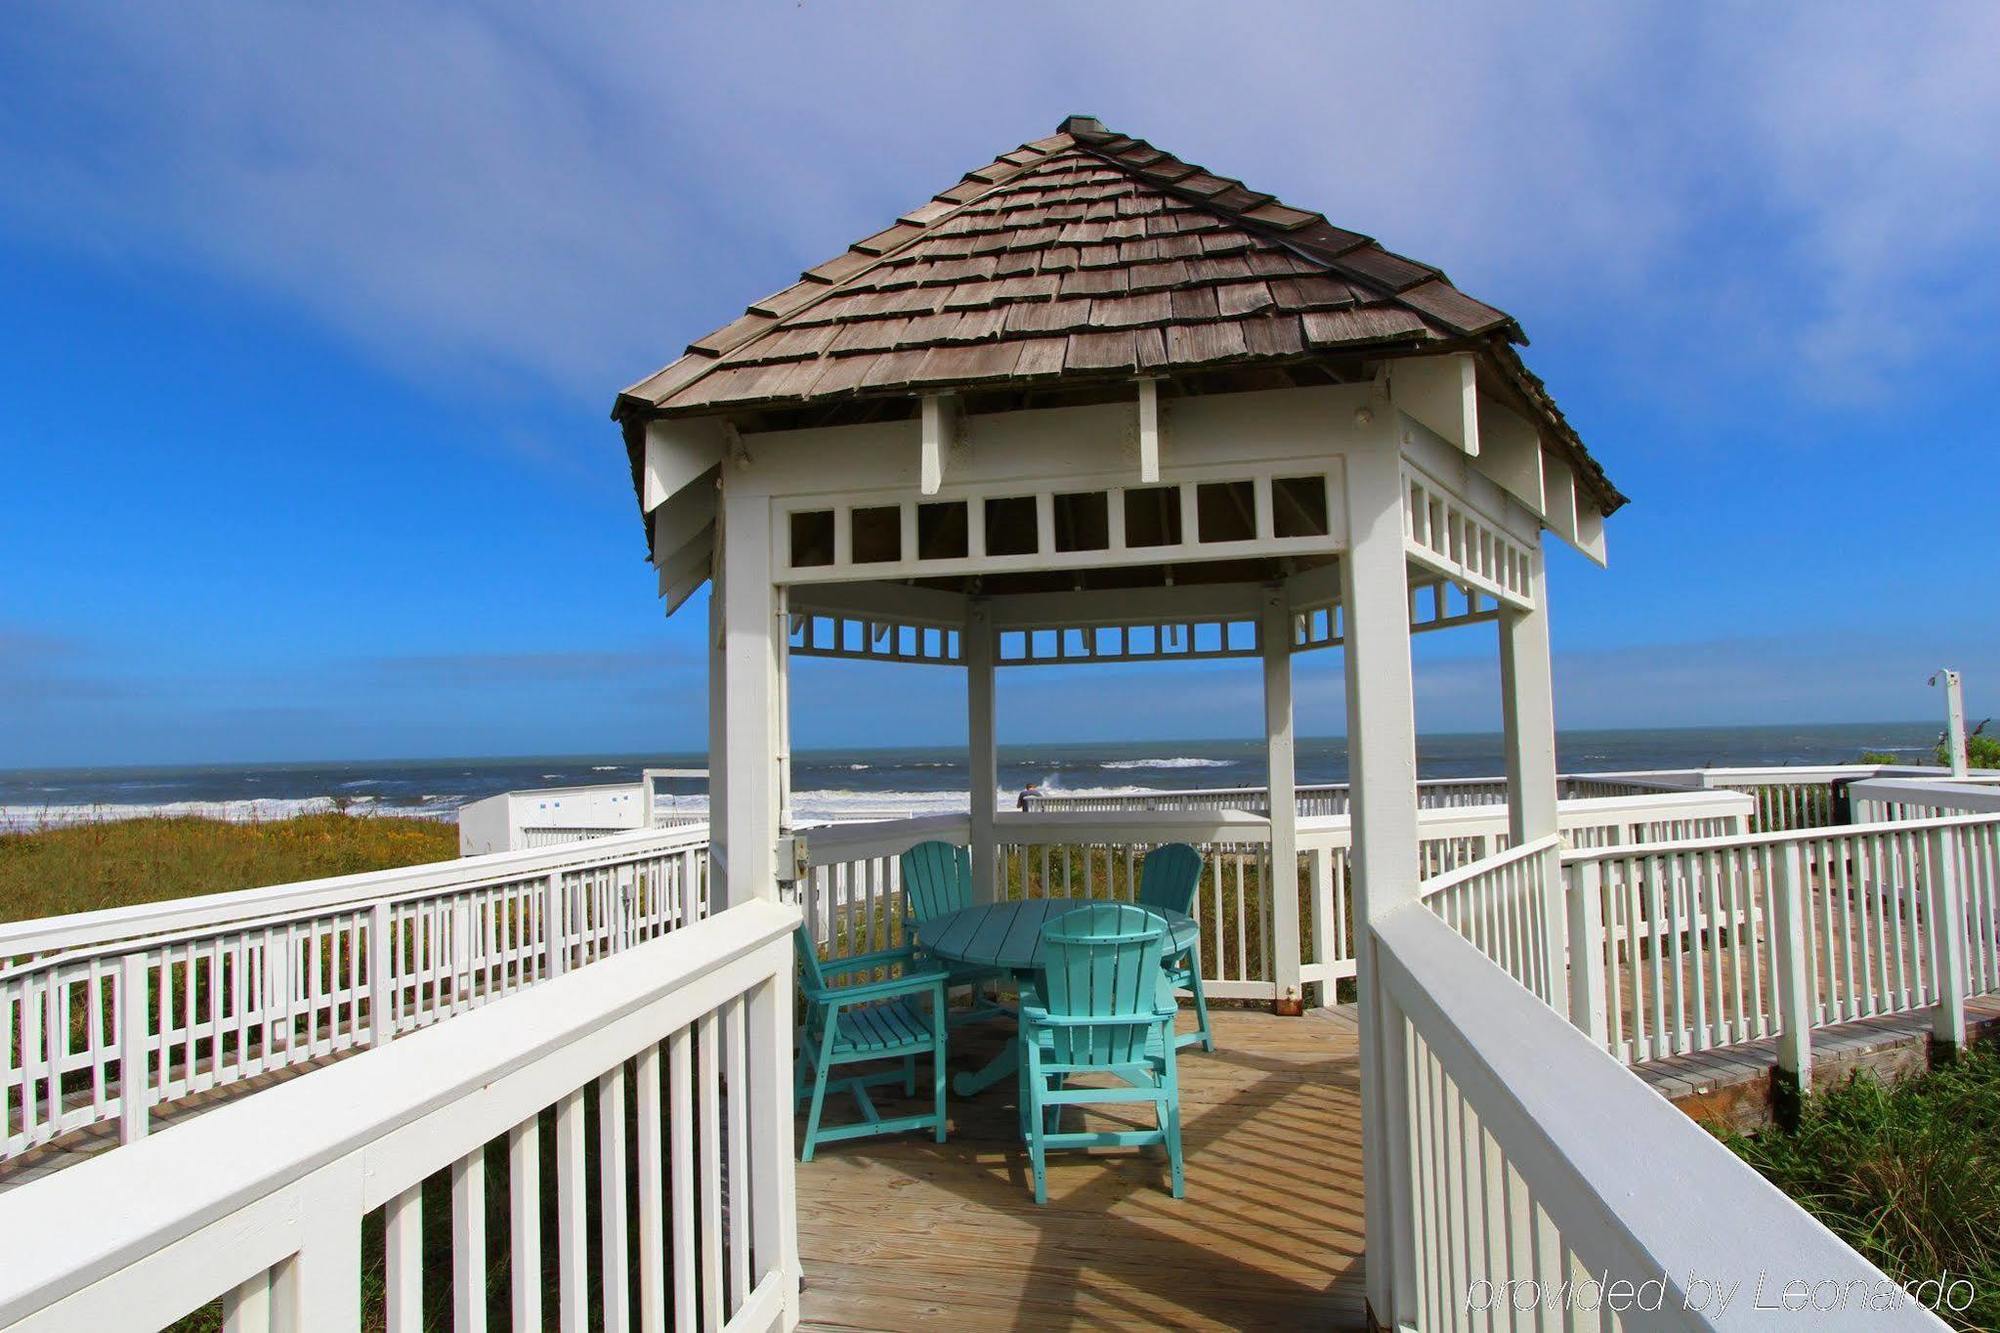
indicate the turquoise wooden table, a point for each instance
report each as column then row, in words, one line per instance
column 1009, row 936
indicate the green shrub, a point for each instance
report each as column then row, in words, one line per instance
column 1908, row 1174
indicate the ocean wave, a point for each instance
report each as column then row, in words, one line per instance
column 1183, row 761
column 606, row 768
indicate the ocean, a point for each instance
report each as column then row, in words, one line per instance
column 909, row 779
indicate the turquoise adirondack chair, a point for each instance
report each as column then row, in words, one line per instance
column 1168, row 880
column 937, row 881
column 1104, row 1008
column 868, row 1022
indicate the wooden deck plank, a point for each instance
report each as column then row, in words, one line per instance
column 903, row 1233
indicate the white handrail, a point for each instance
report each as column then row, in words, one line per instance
column 260, row 1201
column 261, row 979
column 305, row 897
column 1677, row 947
column 1506, row 1155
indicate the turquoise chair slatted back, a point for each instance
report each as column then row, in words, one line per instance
column 808, row 959
column 937, row 880
column 1168, row 878
column 1103, row 961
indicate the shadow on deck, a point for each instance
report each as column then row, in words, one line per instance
column 902, row 1233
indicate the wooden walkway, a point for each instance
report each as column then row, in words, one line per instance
column 903, row 1233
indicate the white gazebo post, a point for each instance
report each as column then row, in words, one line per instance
column 745, row 830
column 982, row 768
column 781, row 619
column 1382, row 772
column 1274, row 632
column 1527, row 690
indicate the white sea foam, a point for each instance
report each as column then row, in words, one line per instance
column 20, row 818
column 812, row 805
column 1183, row 761
column 606, row 768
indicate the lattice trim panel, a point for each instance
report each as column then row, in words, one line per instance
column 1173, row 641
column 1443, row 534
column 824, row 634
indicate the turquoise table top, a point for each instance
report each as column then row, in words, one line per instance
column 1009, row 935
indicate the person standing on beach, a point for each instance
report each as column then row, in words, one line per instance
column 1027, row 792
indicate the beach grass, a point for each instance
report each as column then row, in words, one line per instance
column 115, row 863
column 1907, row 1173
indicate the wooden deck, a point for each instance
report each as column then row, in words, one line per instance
column 902, row 1233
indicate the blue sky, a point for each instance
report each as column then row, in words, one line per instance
column 314, row 315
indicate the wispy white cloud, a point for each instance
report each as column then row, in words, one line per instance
column 568, row 196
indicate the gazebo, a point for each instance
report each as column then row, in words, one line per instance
column 1096, row 404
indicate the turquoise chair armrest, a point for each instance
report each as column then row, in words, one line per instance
column 915, row 984
column 865, row 962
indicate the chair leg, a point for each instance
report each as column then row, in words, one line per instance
column 1170, row 1116
column 1038, row 1154
column 1200, row 1001
column 909, row 1076
column 938, row 1069
column 819, row 1093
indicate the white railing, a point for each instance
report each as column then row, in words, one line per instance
column 236, row 985
column 1683, row 947
column 1331, row 798
column 1507, row 906
column 1513, row 1204
column 852, row 896
column 679, row 1050
column 1883, row 799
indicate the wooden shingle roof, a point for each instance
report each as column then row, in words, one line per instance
column 1088, row 254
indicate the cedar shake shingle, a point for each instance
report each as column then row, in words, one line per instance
column 1088, row 254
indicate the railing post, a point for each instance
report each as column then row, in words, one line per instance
column 1793, row 982
column 554, row 940
column 774, row 1241
column 135, row 1031
column 1583, row 885
column 278, row 986
column 1947, row 913
column 1556, row 941
column 1319, row 878
column 381, row 1025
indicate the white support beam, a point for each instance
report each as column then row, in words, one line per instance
column 1314, row 587
column 884, row 601
column 1129, row 606
column 1280, row 776
column 678, row 452
column 1442, row 392
column 982, row 747
column 942, row 428
column 682, row 516
column 684, row 570
column 1590, row 532
column 1510, row 452
column 1150, row 433
column 1382, row 749
column 1559, row 499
